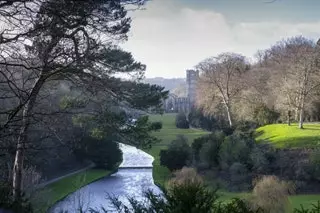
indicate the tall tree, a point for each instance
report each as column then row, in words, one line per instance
column 221, row 82
column 50, row 40
column 298, row 59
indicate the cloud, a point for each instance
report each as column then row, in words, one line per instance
column 170, row 37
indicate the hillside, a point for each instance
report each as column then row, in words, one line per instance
column 282, row 135
column 168, row 83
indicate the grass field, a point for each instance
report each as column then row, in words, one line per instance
column 58, row 190
column 168, row 133
column 282, row 135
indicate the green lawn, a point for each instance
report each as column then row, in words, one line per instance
column 62, row 188
column 168, row 133
column 282, row 135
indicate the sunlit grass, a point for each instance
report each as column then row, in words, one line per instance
column 282, row 135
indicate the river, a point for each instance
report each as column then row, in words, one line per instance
column 132, row 179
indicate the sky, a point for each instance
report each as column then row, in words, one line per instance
column 171, row 36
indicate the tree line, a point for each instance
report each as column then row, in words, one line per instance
column 283, row 85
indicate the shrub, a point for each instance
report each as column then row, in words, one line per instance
column 197, row 145
column 177, row 155
column 315, row 164
column 104, row 152
column 209, row 151
column 236, row 148
column 263, row 158
column 271, row 194
column 185, row 176
column 239, row 177
column 181, row 121
column 9, row 204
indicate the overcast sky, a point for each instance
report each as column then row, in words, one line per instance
column 170, row 36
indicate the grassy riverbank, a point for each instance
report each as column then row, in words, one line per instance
column 168, row 133
column 56, row 191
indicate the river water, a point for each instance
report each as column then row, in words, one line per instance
column 132, row 179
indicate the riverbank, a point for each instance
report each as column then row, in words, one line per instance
column 168, row 133
column 56, row 191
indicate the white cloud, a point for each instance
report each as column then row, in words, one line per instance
column 170, row 38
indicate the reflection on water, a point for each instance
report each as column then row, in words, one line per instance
column 126, row 182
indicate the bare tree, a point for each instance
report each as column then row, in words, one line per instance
column 221, row 82
column 297, row 60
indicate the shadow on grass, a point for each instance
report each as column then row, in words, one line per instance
column 298, row 142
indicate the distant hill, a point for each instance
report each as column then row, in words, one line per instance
column 175, row 85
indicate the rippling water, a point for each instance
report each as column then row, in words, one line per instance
column 126, row 182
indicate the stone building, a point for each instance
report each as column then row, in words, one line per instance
column 183, row 104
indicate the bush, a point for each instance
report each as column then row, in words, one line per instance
column 315, row 164
column 185, row 176
column 198, row 119
column 9, row 205
column 263, row 158
column 239, row 177
column 177, row 155
column 209, row 152
column 271, row 194
column 181, row 121
column 264, row 115
column 105, row 152
column 236, row 148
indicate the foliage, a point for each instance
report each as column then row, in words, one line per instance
column 7, row 201
column 198, row 119
column 188, row 195
column 315, row 163
column 209, row 151
column 181, row 121
column 185, row 176
column 264, row 115
column 263, row 158
column 236, row 148
column 239, row 177
column 314, row 209
column 177, row 155
column 104, row 153
column 271, row 194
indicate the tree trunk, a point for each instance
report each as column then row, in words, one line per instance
column 229, row 115
column 301, row 113
column 301, row 117
column 22, row 139
column 296, row 114
column 289, row 118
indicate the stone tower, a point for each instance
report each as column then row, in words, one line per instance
column 192, row 78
